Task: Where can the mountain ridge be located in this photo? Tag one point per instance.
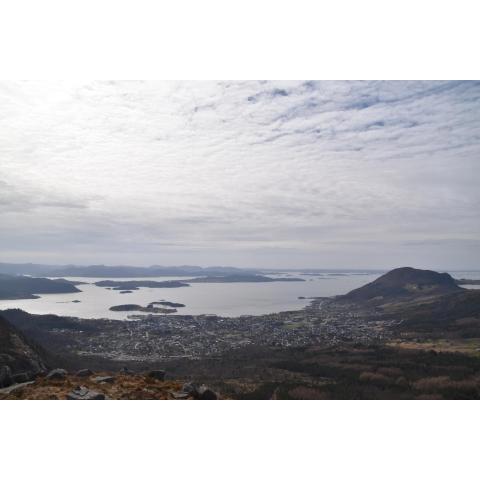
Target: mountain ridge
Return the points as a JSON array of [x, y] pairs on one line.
[[116, 270]]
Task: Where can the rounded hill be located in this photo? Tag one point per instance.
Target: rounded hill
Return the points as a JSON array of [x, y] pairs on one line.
[[405, 281]]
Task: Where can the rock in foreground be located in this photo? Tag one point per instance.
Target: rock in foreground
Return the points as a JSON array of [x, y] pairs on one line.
[[83, 393], [119, 386], [57, 374]]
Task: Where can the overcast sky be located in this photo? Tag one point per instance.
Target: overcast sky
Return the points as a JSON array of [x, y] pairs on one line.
[[268, 174]]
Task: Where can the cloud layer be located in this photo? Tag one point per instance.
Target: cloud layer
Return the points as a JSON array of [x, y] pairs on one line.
[[345, 174]]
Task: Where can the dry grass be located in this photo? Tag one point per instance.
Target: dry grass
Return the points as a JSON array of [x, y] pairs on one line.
[[125, 387], [375, 378], [306, 393], [441, 383], [469, 346]]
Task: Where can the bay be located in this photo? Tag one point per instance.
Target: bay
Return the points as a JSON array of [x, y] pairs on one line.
[[224, 299]]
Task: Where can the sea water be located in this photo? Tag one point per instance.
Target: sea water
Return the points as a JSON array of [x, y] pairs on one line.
[[224, 299]]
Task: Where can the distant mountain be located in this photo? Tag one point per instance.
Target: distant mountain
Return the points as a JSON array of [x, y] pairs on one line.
[[404, 282], [16, 287], [20, 359], [27, 269], [116, 271]]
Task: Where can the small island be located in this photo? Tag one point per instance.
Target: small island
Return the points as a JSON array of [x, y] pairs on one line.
[[131, 307], [136, 284], [129, 285], [242, 279], [467, 281], [167, 304]]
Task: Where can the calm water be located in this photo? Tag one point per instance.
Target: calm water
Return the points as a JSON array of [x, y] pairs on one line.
[[226, 299]]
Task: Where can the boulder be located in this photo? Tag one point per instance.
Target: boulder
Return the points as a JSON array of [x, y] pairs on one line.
[[83, 393], [56, 374], [190, 389], [200, 393], [180, 395], [205, 393], [5, 358], [5, 376], [14, 387], [21, 378], [85, 372], [157, 374], [104, 379]]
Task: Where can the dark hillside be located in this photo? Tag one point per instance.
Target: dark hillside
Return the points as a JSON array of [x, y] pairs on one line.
[[17, 287], [404, 282], [18, 355]]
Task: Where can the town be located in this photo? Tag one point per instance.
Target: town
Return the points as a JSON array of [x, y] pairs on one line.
[[161, 336]]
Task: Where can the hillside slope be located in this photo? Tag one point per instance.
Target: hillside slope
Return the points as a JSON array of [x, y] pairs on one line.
[[404, 282], [20, 359]]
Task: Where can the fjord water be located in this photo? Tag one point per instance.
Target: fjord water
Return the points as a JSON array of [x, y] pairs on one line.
[[225, 299]]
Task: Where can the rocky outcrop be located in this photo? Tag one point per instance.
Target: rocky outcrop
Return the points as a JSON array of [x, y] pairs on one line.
[[201, 392], [83, 393], [57, 374], [20, 359], [114, 386], [5, 376], [104, 379]]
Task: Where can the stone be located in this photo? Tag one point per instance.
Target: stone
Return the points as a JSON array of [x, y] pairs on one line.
[[190, 389], [205, 393], [12, 388], [180, 395], [126, 371], [21, 378], [104, 379], [201, 393], [83, 393], [6, 358], [57, 374], [85, 372], [157, 374], [5, 376]]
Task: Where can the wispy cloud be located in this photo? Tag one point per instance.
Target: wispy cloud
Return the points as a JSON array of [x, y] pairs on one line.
[[241, 172]]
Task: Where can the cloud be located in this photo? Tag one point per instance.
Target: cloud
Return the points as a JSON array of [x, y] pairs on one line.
[[19, 199], [156, 172]]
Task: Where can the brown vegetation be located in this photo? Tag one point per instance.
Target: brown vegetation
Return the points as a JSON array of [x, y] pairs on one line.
[[124, 387]]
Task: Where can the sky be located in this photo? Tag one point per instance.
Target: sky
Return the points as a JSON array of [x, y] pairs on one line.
[[287, 174]]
